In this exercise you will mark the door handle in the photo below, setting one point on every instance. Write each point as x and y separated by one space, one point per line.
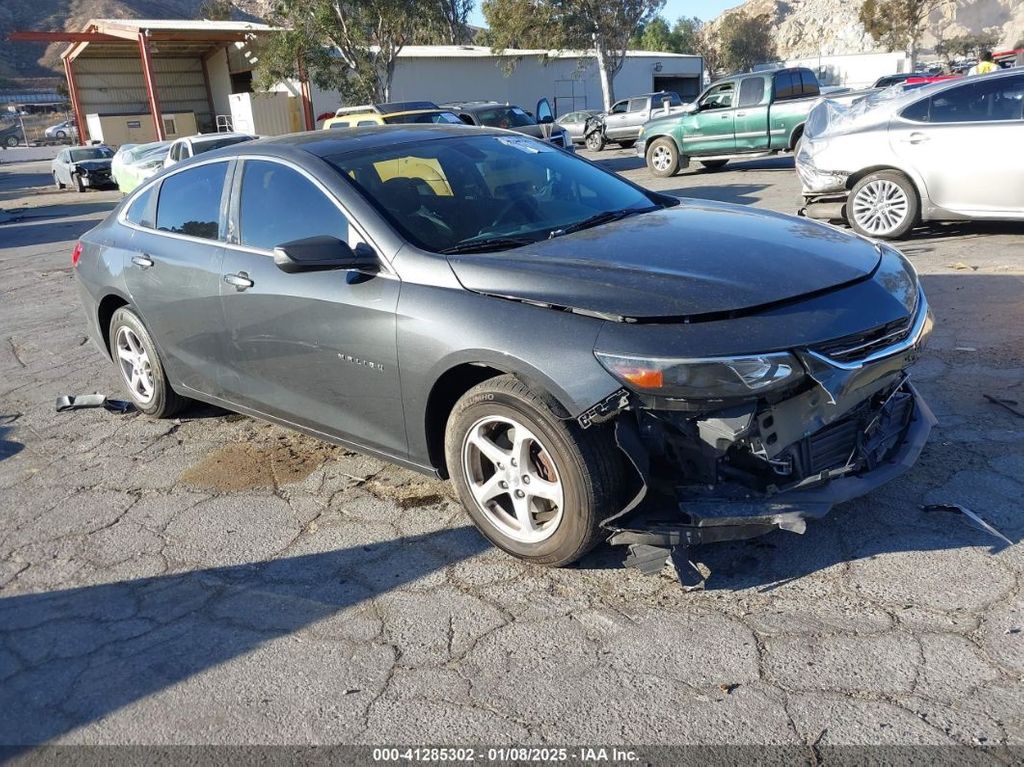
917 138
240 281
726 117
144 261
741 114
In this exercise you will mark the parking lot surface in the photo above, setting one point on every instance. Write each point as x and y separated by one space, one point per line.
213 579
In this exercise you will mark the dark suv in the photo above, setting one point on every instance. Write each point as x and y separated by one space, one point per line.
494 115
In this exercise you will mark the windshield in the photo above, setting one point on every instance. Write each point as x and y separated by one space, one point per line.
424 117
92 153
504 117
487 192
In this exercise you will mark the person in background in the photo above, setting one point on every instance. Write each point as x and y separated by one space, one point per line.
984 66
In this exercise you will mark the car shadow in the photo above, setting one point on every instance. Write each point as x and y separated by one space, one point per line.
740 194
31 233
17 184
74 656
8 447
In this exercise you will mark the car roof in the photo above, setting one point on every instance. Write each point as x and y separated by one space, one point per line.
323 143
202 137
468 106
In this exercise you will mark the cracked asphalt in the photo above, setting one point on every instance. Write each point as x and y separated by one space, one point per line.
213 579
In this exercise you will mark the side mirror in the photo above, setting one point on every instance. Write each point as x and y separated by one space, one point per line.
545 115
316 254
691 108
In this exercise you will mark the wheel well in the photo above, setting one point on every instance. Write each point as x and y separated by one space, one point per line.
797 134
447 390
108 306
854 178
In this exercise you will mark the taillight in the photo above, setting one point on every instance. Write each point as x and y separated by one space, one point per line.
76 254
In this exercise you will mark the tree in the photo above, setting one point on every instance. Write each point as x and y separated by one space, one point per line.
744 41
450 25
966 45
350 46
654 36
898 24
605 26
686 33
215 10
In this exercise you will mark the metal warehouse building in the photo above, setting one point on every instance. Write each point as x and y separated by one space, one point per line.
569 79
154 69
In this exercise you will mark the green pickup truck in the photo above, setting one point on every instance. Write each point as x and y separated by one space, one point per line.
751 115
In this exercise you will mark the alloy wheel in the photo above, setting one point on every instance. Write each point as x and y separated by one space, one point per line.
661 158
880 207
134 363
513 479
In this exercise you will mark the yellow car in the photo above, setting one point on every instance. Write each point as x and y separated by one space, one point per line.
397 113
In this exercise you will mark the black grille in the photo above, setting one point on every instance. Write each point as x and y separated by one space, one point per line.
831 447
859 345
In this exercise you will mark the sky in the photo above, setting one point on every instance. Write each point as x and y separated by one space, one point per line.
704 9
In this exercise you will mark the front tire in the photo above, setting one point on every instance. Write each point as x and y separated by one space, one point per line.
663 157
594 142
77 179
137 360
535 485
61 134
11 141
883 205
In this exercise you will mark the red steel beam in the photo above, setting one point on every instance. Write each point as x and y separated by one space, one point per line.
83 130
147 75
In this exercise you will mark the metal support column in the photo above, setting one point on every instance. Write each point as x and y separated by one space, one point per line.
147 75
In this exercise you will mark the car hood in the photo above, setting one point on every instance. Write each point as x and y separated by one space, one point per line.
696 260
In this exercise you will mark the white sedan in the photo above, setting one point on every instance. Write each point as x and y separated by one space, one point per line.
190 146
948 151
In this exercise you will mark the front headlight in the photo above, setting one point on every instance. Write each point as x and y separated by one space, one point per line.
713 378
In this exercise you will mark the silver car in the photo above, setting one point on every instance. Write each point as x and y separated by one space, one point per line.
623 121
949 151
575 123
66 129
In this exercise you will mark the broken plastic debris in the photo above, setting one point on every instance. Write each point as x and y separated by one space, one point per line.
70 402
953 507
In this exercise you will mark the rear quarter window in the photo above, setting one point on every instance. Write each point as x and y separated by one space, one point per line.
142 209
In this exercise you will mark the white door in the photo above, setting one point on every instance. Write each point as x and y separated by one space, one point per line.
966 144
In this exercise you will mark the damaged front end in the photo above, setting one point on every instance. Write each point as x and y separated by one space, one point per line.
844 421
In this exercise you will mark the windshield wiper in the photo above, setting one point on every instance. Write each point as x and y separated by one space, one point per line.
597 219
489 244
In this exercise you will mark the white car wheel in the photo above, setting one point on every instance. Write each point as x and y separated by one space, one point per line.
883 205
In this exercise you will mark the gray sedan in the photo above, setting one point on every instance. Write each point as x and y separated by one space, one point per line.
585 359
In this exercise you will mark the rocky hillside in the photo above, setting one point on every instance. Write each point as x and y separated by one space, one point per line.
25 60
825 27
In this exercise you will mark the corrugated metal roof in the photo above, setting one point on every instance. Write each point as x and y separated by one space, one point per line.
482 51
185 25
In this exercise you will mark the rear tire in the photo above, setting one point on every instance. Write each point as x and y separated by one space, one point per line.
714 164
136 358
883 205
500 436
11 141
663 157
61 134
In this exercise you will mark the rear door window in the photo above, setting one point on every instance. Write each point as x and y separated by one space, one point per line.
997 100
190 201
637 105
751 91
278 205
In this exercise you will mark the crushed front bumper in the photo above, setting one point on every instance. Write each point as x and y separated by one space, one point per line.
744 472
697 520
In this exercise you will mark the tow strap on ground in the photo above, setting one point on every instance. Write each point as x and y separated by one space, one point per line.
70 402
